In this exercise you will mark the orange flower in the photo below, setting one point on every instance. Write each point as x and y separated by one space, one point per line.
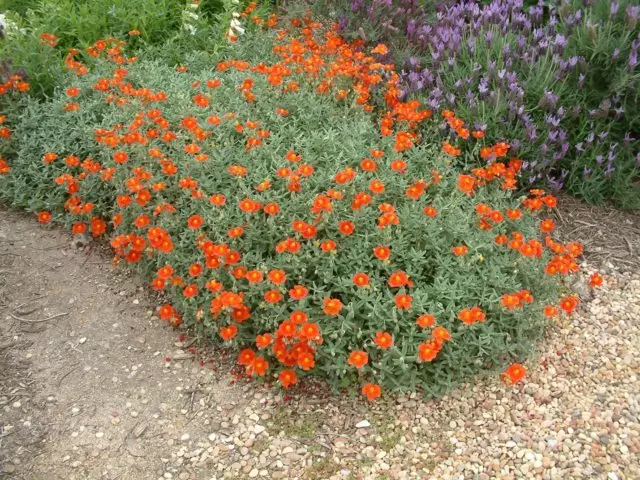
190 291
328 245
368 165
569 304
547 225
360 279
298 292
194 222
306 361
331 306
383 340
287 378
277 277
254 276
510 301
513 374
272 296
403 301
441 335
426 320
358 358
310 331
460 250
380 49
44 217
120 157
514 214
217 199
165 272
399 166
263 341
550 311
49 157
466 184
371 391
79 228
427 351
429 211
596 280
346 227
382 252
195 269
398 279
286 329
228 332
246 357
259 367
471 315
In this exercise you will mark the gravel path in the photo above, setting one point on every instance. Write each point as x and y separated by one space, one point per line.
107 392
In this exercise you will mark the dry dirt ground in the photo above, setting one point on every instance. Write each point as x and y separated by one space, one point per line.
90 393
94 386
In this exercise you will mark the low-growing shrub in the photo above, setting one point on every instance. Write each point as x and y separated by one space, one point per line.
277 212
558 80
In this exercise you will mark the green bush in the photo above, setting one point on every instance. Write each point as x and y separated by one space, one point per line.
167 31
216 193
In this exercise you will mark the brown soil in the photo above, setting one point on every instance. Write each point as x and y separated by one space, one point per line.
89 393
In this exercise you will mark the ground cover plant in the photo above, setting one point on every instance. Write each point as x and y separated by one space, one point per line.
281 208
557 80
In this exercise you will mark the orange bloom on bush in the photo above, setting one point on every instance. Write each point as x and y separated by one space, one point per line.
514 374
383 339
460 250
382 252
371 391
228 332
194 222
358 358
287 378
426 320
332 306
360 279
298 292
403 301
346 227
569 304
427 351
471 315
596 280
44 217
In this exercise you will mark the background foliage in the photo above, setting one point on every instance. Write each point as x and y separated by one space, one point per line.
557 80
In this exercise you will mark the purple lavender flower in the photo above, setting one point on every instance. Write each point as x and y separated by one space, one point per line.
613 9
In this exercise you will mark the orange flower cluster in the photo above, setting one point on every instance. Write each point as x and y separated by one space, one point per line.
243 242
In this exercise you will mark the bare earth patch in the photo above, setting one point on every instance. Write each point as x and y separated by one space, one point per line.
106 391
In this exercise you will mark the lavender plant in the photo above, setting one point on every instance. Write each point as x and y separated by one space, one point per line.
557 80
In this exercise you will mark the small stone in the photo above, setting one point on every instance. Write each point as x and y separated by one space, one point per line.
254 473
363 424
82 340
185 437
